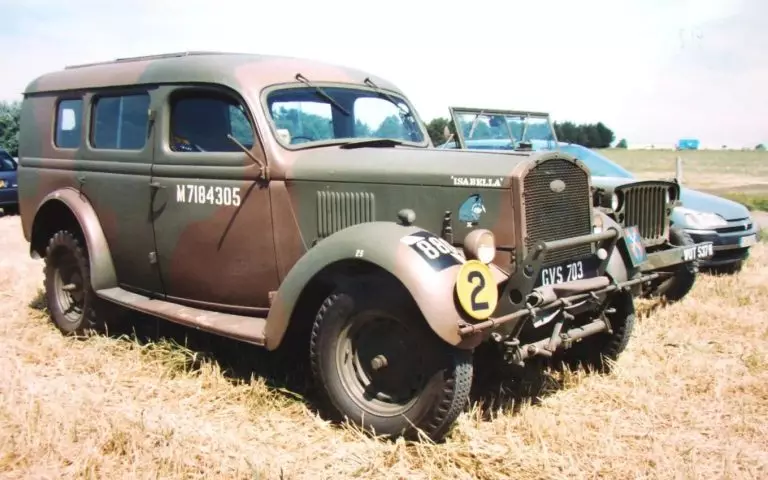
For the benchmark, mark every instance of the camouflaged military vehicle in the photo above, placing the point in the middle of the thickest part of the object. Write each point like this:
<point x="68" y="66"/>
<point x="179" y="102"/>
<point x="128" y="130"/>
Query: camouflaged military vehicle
<point x="646" y="204"/>
<point x="265" y="198"/>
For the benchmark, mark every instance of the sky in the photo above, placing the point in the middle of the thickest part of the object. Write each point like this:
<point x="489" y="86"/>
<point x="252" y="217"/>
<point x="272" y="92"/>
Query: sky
<point x="653" y="71"/>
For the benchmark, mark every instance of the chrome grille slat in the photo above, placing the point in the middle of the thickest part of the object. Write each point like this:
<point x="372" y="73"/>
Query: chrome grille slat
<point x="644" y="206"/>
<point x="554" y="216"/>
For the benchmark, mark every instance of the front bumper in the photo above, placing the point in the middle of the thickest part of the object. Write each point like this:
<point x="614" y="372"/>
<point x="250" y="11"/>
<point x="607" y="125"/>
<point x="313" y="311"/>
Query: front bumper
<point x="700" y="251"/>
<point x="731" y="244"/>
<point x="529" y="297"/>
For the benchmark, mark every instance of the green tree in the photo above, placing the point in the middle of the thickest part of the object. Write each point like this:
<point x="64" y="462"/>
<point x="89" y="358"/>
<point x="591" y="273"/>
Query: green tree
<point x="10" y="116"/>
<point x="436" y="129"/>
<point x="622" y="143"/>
<point x="760" y="147"/>
<point x="391" y="127"/>
<point x="605" y="134"/>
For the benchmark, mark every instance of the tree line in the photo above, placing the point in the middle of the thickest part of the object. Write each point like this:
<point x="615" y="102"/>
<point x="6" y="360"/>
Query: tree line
<point x="590" y="135"/>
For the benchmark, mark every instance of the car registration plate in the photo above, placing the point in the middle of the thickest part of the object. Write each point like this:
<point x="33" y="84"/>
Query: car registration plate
<point x="703" y="250"/>
<point x="748" y="241"/>
<point x="568" y="271"/>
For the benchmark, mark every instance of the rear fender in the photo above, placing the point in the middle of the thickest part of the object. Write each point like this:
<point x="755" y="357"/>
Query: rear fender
<point x="100" y="259"/>
<point x="391" y="247"/>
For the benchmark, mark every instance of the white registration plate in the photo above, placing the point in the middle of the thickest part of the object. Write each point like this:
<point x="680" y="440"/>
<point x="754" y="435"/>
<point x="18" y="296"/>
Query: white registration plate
<point x="748" y="241"/>
<point x="705" y="250"/>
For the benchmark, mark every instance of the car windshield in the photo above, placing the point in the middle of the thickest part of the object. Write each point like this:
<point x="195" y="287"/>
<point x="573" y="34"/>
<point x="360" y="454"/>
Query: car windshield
<point x="503" y="131"/>
<point x="307" y="116"/>
<point x="6" y="161"/>
<point x="598" y="165"/>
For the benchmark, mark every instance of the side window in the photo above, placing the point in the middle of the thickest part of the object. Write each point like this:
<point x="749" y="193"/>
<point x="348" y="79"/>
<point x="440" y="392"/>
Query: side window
<point x="201" y="123"/>
<point x="120" y="122"/>
<point x="68" y="123"/>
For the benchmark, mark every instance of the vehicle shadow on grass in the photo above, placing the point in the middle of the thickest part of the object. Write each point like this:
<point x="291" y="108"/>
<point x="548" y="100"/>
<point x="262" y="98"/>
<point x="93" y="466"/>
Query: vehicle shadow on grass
<point x="285" y="371"/>
<point x="496" y="387"/>
<point x="501" y="388"/>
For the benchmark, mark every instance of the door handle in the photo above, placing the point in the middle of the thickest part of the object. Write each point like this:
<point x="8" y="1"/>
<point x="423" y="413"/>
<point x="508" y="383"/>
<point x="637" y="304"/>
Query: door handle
<point x="156" y="185"/>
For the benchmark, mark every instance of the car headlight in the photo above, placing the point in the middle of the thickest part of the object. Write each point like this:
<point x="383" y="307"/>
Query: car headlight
<point x="614" y="202"/>
<point x="703" y="220"/>
<point x="481" y="245"/>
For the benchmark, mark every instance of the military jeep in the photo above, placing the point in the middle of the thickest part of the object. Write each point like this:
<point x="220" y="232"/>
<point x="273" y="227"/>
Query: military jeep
<point x="646" y="204"/>
<point x="272" y="199"/>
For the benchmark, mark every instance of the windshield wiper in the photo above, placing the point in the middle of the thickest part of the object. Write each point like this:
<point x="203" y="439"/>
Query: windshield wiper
<point x="384" y="94"/>
<point x="372" y="142"/>
<point x="321" y="92"/>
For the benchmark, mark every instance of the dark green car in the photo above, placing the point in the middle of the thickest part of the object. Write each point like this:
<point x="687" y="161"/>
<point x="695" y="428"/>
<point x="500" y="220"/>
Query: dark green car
<point x="647" y="204"/>
<point x="273" y="199"/>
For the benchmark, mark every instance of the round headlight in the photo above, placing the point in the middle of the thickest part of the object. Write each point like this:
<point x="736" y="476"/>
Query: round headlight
<point x="614" y="202"/>
<point x="480" y="244"/>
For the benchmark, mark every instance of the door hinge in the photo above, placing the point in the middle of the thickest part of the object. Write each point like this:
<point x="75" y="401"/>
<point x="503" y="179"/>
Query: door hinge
<point x="152" y="258"/>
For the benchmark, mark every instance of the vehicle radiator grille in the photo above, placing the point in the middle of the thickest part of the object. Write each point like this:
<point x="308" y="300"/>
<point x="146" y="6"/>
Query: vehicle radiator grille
<point x="644" y="206"/>
<point x="551" y="215"/>
<point x="339" y="210"/>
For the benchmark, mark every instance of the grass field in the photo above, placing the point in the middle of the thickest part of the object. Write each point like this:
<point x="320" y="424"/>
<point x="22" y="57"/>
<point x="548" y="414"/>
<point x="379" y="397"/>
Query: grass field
<point x="739" y="175"/>
<point x="688" y="399"/>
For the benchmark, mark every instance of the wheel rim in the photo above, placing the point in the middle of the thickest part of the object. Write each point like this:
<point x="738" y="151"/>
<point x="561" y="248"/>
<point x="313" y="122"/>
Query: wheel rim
<point x="381" y="363"/>
<point x="68" y="287"/>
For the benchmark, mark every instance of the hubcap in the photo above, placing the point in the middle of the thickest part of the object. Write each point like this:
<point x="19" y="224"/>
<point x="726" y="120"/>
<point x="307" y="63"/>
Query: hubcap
<point x="68" y="287"/>
<point x="381" y="363"/>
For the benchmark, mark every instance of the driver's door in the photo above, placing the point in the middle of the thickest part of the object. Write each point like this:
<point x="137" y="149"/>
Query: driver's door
<point x="212" y="215"/>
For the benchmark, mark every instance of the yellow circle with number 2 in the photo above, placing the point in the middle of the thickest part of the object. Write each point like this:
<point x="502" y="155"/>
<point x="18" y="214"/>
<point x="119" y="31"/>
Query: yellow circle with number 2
<point x="476" y="290"/>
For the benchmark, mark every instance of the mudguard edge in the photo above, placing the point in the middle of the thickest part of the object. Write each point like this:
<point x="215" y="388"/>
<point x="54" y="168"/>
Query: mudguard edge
<point x="378" y="243"/>
<point x="100" y="259"/>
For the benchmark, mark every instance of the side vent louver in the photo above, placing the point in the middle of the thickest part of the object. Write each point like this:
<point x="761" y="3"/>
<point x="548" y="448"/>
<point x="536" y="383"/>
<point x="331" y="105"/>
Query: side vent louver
<point x="339" y="210"/>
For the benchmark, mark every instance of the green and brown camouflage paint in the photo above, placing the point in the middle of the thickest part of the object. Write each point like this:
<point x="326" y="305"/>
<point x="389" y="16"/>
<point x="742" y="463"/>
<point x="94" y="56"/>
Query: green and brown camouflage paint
<point x="253" y="260"/>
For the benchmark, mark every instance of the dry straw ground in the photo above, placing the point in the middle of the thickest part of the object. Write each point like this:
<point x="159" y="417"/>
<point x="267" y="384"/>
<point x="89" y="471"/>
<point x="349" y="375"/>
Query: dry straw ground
<point x="688" y="399"/>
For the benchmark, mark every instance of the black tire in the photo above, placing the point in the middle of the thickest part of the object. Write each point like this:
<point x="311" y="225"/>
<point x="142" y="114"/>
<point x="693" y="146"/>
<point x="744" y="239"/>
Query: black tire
<point x="596" y="352"/>
<point x="66" y="265"/>
<point x="678" y="286"/>
<point x="423" y="387"/>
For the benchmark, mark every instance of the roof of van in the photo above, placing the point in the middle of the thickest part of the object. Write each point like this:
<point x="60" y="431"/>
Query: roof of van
<point x="236" y="70"/>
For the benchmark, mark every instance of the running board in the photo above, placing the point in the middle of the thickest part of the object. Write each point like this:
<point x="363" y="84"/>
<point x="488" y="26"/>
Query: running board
<point x="238" y="327"/>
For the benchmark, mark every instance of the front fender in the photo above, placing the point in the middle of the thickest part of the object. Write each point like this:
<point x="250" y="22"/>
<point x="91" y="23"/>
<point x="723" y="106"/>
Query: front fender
<point x="393" y="248"/>
<point x="617" y="267"/>
<point x="99" y="257"/>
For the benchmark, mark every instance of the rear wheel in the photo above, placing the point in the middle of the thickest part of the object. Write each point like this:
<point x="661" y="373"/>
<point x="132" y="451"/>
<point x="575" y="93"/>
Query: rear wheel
<point x="377" y="363"/>
<point x="68" y="284"/>
<point x="595" y="352"/>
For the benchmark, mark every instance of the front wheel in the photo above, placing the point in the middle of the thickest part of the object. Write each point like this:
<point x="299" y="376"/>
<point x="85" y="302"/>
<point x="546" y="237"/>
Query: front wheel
<point x="377" y="363"/>
<point x="684" y="274"/>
